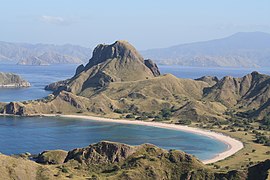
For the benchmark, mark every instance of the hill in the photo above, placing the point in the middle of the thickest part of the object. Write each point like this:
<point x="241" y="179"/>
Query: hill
<point x="10" y="80"/>
<point x="110" y="160"/>
<point x="42" y="54"/>
<point x="244" y="49"/>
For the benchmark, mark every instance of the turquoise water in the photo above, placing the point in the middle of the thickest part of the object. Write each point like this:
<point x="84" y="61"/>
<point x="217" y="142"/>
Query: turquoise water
<point x="36" y="134"/>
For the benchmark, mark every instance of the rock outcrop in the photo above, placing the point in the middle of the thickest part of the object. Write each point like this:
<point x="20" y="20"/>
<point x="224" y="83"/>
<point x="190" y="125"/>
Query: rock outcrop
<point x="111" y="160"/>
<point x="10" y="80"/>
<point x="152" y="66"/>
<point x="52" y="157"/>
<point x="100" y="153"/>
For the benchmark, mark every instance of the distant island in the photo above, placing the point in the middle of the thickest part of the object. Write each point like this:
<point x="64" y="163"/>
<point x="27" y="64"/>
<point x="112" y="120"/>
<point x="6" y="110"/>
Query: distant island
<point x="118" y="83"/>
<point x="42" y="54"/>
<point x="9" y="80"/>
<point x="244" y="49"/>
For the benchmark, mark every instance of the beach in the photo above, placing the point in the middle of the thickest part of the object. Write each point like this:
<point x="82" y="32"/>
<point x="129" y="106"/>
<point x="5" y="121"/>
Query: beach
<point x="233" y="144"/>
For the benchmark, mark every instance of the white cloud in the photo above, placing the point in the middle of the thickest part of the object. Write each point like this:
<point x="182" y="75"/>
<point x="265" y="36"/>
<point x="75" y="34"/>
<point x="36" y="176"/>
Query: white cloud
<point x="55" y="20"/>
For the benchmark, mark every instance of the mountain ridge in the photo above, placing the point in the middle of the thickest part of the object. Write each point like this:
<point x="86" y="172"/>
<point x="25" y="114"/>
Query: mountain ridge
<point x="249" y="49"/>
<point x="42" y="54"/>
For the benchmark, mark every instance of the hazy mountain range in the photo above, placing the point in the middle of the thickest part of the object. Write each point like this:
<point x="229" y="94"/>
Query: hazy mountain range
<point x="250" y="49"/>
<point x="42" y="54"/>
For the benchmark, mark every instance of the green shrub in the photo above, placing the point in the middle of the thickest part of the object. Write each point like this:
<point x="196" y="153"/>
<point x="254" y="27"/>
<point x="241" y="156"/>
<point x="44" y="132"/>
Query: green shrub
<point x="130" y="116"/>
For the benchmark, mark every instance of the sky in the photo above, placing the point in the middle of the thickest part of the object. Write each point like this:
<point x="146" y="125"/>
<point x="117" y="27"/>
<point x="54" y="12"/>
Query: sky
<point x="144" y="23"/>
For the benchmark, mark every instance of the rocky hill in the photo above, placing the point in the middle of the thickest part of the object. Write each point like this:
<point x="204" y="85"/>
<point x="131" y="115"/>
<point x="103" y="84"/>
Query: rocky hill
<point x="118" y="78"/>
<point x="42" y="54"/>
<point x="249" y="92"/>
<point x="249" y="49"/>
<point x="9" y="80"/>
<point x="110" y="160"/>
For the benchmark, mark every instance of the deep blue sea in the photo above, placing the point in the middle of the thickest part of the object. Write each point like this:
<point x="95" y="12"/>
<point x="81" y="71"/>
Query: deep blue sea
<point x="25" y="134"/>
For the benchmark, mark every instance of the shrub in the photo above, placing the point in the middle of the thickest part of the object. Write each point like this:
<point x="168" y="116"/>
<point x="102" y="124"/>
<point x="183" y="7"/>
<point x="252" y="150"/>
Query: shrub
<point x="64" y="169"/>
<point x="130" y="116"/>
<point x="166" y="112"/>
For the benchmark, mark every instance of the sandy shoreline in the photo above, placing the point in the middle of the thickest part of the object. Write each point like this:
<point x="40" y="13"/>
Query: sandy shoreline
<point x="233" y="144"/>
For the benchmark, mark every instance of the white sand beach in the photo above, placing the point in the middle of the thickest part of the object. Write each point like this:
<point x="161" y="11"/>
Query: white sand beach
<point x="233" y="144"/>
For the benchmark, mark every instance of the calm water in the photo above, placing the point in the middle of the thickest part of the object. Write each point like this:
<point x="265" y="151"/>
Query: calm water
<point x="38" y="76"/>
<point x="36" y="134"/>
<point x="18" y="135"/>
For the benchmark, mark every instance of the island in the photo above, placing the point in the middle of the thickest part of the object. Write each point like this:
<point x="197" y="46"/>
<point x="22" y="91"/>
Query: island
<point x="119" y="84"/>
<point x="10" y="80"/>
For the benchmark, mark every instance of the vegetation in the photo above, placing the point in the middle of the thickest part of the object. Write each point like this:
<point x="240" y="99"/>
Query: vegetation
<point x="184" y="122"/>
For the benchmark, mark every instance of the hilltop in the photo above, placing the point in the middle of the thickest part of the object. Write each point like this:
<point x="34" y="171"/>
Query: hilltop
<point x="243" y="49"/>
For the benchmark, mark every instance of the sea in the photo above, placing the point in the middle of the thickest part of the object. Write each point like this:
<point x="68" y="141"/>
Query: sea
<point x="36" y="134"/>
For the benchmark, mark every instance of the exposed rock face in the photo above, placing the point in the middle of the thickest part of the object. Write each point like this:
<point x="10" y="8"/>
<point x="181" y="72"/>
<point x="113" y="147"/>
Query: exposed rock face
<point x="119" y="50"/>
<point x="14" y="108"/>
<point x="52" y="157"/>
<point x="152" y="66"/>
<point x="102" y="152"/>
<point x="10" y="80"/>
<point x="56" y="85"/>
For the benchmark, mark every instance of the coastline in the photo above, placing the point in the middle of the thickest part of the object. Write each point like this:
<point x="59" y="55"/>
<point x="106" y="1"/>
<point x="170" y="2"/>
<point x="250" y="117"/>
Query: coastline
<point x="233" y="144"/>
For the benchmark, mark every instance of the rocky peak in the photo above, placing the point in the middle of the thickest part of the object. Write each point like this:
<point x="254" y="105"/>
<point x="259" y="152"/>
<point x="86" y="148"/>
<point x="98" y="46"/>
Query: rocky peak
<point x="119" y="49"/>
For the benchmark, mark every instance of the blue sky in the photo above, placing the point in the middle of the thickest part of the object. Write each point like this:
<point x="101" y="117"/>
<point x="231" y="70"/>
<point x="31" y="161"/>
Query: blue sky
<point x="145" y="23"/>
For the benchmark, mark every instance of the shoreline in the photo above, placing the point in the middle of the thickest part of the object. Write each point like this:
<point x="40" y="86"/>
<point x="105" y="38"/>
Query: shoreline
<point x="233" y="144"/>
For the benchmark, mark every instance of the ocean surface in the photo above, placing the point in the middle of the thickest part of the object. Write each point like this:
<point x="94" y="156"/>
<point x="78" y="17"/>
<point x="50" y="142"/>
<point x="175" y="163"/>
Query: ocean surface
<point x="19" y="135"/>
<point x="36" y="134"/>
